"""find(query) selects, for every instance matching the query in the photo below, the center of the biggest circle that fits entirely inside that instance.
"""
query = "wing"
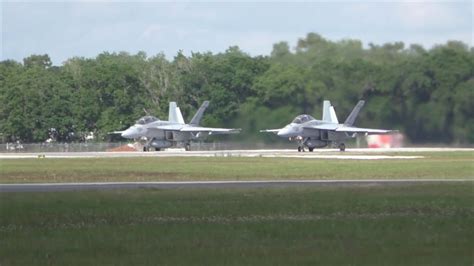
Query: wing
(341, 128)
(363, 130)
(115, 132)
(175, 127)
(323, 127)
(211, 130)
(271, 130)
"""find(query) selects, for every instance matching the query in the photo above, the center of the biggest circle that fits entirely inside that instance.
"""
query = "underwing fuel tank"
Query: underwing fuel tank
(315, 143)
(161, 144)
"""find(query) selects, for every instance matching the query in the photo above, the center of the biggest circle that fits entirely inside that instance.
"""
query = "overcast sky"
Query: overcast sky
(64, 29)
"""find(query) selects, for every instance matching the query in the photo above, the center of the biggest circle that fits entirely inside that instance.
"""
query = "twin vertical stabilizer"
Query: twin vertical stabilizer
(355, 112)
(329, 115)
(174, 114)
(198, 116)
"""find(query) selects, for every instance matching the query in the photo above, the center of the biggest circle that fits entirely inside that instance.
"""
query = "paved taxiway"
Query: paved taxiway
(357, 154)
(51, 187)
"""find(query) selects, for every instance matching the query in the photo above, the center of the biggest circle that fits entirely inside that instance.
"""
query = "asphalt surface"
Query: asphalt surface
(354, 154)
(52, 187)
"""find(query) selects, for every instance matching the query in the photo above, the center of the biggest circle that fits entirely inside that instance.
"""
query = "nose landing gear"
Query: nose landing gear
(304, 142)
(147, 145)
(300, 144)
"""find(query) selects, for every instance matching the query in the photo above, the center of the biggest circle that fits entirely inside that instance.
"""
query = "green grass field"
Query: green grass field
(417, 224)
(438, 165)
(422, 224)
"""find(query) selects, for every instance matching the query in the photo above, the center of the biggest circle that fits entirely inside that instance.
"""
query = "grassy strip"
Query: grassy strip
(428, 224)
(436, 165)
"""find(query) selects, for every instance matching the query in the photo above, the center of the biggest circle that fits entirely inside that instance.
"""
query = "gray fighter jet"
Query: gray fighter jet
(312, 133)
(160, 134)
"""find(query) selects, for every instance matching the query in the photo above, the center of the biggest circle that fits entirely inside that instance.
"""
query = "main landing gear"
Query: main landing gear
(342, 147)
(147, 145)
(149, 148)
(301, 149)
(302, 144)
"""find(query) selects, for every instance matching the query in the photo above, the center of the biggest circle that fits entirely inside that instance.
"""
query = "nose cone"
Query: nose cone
(286, 132)
(133, 132)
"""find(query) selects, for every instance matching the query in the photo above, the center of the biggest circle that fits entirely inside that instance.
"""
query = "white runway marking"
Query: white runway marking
(345, 157)
(351, 154)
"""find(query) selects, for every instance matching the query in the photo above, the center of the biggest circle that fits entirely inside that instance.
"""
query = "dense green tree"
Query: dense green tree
(35, 100)
(42, 61)
(427, 94)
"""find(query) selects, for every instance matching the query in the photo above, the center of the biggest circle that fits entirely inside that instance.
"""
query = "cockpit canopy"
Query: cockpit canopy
(302, 119)
(146, 120)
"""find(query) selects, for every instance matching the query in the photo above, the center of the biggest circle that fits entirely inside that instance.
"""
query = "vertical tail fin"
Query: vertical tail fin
(174, 114)
(326, 113)
(332, 112)
(198, 116)
(329, 115)
(355, 112)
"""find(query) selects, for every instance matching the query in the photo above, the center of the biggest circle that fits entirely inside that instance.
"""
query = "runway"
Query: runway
(350, 154)
(55, 187)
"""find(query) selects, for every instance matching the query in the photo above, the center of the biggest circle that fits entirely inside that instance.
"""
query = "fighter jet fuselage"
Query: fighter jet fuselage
(312, 133)
(160, 134)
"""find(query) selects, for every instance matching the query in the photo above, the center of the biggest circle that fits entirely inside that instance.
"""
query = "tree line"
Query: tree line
(427, 94)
